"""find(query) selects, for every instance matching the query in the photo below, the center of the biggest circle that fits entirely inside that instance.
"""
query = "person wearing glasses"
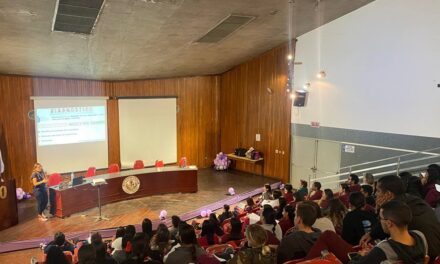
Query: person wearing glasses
(403, 246)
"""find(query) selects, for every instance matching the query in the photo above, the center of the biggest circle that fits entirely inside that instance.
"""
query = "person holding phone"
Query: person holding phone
(39, 180)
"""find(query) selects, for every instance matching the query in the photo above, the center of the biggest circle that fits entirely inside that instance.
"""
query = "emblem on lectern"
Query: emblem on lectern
(131, 184)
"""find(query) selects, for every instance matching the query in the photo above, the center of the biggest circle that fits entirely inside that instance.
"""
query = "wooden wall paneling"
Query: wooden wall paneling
(197, 116)
(114, 150)
(18, 140)
(272, 117)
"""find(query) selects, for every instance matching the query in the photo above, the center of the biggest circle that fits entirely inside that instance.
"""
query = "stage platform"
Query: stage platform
(213, 186)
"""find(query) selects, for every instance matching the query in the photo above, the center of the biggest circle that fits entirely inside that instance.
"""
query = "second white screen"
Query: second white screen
(147, 130)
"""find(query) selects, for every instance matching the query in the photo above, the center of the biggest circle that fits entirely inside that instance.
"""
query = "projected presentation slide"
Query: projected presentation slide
(69, 125)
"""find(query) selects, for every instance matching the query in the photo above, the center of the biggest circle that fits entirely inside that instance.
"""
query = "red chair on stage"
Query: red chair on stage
(113, 168)
(54, 179)
(138, 164)
(159, 164)
(91, 171)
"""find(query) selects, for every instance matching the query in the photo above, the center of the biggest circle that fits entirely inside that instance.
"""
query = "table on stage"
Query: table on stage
(127, 184)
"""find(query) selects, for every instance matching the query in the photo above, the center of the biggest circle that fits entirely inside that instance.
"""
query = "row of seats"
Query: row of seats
(56, 178)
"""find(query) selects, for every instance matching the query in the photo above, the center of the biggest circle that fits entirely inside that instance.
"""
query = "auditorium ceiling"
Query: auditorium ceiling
(141, 39)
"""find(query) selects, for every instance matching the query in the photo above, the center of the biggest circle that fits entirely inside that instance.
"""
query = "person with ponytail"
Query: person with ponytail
(188, 250)
(208, 236)
(287, 221)
(269, 223)
(255, 251)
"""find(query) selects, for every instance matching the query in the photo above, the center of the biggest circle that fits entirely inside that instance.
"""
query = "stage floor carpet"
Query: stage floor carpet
(212, 187)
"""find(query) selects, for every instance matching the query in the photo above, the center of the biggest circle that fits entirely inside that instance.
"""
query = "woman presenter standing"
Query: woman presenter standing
(39, 181)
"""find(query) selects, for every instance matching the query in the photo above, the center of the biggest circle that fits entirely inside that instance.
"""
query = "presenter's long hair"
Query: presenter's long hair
(36, 166)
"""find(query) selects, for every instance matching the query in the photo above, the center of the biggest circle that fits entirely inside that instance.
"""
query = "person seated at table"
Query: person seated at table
(59, 240)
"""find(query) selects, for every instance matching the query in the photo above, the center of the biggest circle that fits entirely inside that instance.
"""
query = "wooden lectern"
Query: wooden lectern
(8, 204)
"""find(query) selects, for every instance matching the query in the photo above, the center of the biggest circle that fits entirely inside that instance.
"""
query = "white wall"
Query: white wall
(383, 66)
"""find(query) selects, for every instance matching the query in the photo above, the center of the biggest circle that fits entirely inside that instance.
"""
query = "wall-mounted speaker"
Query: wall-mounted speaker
(300, 98)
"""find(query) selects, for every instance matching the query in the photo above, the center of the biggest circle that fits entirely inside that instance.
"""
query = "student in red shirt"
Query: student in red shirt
(315, 193)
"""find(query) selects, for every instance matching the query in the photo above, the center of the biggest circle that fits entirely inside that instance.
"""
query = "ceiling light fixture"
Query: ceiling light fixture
(321, 74)
(289, 57)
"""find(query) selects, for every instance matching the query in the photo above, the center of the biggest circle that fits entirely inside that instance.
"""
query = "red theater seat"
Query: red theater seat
(113, 168)
(54, 179)
(139, 164)
(91, 172)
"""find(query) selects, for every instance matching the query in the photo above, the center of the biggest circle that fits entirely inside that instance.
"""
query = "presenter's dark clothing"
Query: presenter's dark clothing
(40, 192)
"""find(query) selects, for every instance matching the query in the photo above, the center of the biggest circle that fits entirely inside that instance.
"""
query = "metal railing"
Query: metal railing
(397, 164)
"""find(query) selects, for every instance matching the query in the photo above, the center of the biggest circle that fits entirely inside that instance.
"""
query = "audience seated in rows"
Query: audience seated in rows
(303, 191)
(304, 229)
(226, 214)
(336, 213)
(250, 205)
(322, 223)
(296, 244)
(353, 182)
(326, 197)
(315, 192)
(255, 250)
(236, 231)
(358, 221)
(174, 228)
(423, 218)
(288, 192)
(430, 193)
(267, 193)
(187, 250)
(55, 255)
(367, 191)
(59, 240)
(287, 221)
(403, 245)
(269, 223)
(208, 236)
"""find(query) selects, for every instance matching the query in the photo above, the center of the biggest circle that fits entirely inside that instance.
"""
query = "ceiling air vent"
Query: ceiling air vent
(225, 28)
(78, 16)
